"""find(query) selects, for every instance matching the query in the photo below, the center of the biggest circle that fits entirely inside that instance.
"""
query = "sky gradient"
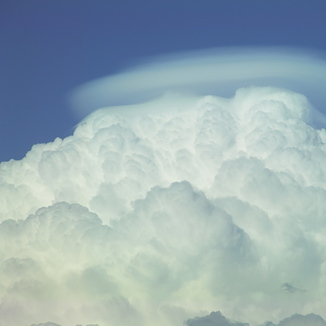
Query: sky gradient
(47, 48)
(176, 175)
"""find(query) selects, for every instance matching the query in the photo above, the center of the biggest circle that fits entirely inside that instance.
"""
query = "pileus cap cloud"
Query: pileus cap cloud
(209, 72)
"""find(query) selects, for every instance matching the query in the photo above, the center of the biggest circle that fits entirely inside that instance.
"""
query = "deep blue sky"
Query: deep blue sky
(48, 47)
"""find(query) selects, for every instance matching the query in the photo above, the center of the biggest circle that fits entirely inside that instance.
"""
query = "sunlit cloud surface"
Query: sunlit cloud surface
(188, 209)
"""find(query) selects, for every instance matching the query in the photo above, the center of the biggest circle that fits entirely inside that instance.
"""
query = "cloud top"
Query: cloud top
(208, 72)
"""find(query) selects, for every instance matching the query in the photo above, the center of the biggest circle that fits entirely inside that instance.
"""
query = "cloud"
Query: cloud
(300, 320)
(46, 324)
(214, 319)
(217, 319)
(288, 287)
(162, 212)
(209, 72)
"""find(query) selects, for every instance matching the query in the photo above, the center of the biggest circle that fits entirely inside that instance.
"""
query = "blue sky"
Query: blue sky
(160, 219)
(47, 48)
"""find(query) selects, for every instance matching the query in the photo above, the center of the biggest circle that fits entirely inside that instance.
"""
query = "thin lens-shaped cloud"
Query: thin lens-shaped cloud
(208, 72)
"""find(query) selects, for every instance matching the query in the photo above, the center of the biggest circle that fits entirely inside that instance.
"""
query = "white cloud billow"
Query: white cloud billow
(163, 212)
(217, 319)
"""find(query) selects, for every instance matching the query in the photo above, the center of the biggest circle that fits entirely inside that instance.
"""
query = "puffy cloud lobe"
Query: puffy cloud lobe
(214, 319)
(300, 320)
(158, 216)
(217, 319)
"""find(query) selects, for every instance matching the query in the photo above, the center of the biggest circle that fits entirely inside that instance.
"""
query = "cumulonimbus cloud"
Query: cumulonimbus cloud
(165, 211)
